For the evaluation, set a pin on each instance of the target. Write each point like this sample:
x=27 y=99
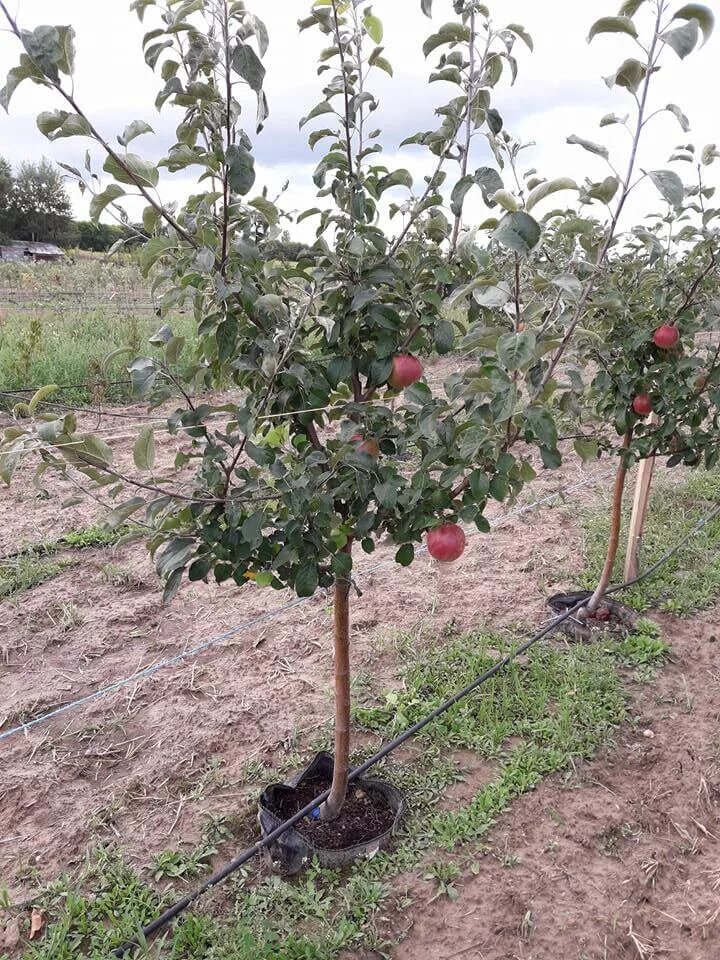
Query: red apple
x=642 y=405
x=368 y=445
x=446 y=543
x=406 y=369
x=666 y=337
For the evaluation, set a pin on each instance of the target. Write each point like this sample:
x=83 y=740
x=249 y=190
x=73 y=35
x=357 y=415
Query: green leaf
x=306 y=581
x=15 y=77
x=630 y=7
x=324 y=107
x=683 y=39
x=506 y=200
x=405 y=555
x=521 y=32
x=605 y=190
x=587 y=450
x=681 y=118
x=612 y=25
x=426 y=7
x=517 y=350
x=704 y=16
x=133 y=170
x=545 y=189
x=479 y=484
x=670 y=186
x=101 y=200
x=457 y=198
x=151 y=252
x=448 y=33
x=519 y=232
x=489 y=181
x=249 y=66
x=144 y=449
x=135 y=129
x=492 y=296
x=588 y=145
x=374 y=27
x=630 y=74
x=143 y=373
x=398 y=178
x=59 y=123
x=241 y=168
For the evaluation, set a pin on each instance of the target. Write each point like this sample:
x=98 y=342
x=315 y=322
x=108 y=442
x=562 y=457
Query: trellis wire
x=265 y=842
x=263 y=618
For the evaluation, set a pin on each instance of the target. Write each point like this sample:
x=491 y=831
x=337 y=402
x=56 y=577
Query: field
x=570 y=809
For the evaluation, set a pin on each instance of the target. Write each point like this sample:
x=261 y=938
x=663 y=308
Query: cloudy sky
x=559 y=91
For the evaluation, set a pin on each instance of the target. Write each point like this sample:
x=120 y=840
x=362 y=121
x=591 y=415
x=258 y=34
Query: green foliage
x=37 y=205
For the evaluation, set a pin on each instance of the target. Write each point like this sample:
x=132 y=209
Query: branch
x=468 y=127
x=591 y=281
x=346 y=91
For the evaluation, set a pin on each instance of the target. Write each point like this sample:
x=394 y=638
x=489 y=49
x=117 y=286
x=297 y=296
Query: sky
x=559 y=91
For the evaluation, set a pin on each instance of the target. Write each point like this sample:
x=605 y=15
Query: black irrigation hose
x=172 y=912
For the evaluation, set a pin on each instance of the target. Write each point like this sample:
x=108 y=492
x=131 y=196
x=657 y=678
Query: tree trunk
x=341 y=606
x=614 y=539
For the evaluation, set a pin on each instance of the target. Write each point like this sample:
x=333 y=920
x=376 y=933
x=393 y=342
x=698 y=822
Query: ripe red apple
x=666 y=337
x=368 y=445
x=446 y=543
x=642 y=405
x=406 y=370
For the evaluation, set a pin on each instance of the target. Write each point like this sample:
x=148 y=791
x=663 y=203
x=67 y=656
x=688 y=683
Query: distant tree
x=6 y=185
x=39 y=207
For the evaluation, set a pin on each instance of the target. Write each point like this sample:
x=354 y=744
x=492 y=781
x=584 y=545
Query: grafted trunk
x=614 y=538
x=341 y=636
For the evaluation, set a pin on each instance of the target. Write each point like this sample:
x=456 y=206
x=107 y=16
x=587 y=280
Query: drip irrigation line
x=69 y=386
x=250 y=852
x=144 y=674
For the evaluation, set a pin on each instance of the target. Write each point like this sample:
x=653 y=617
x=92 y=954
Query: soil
x=612 y=618
x=366 y=815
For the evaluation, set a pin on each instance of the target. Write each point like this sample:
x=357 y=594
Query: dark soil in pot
x=612 y=618
x=366 y=815
x=367 y=823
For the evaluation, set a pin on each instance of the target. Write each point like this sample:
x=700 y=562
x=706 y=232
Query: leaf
x=398 y=178
x=459 y=192
x=426 y=7
x=37 y=922
x=448 y=33
x=39 y=396
x=102 y=200
x=306 y=581
x=611 y=118
x=132 y=169
x=151 y=252
x=683 y=39
x=489 y=181
x=587 y=450
x=405 y=555
x=681 y=118
x=522 y=33
x=605 y=190
x=670 y=186
x=630 y=7
x=144 y=449
x=59 y=123
x=704 y=16
x=516 y=350
x=506 y=200
x=519 y=232
x=612 y=25
x=324 y=107
x=588 y=145
x=14 y=78
x=551 y=186
x=569 y=284
x=143 y=373
x=492 y=297
x=267 y=209
x=374 y=27
x=630 y=74
x=135 y=129
x=249 y=66
x=241 y=168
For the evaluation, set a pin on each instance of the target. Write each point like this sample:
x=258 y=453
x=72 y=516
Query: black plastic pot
x=293 y=851
x=622 y=617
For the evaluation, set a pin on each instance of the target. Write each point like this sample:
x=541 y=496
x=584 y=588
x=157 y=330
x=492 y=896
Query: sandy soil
x=621 y=860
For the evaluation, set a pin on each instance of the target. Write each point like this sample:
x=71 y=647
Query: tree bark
x=341 y=636
x=614 y=539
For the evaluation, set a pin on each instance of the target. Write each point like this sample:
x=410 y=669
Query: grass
x=690 y=581
x=36 y=563
x=536 y=718
x=66 y=340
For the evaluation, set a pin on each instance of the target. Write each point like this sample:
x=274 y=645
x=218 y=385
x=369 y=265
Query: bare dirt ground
x=627 y=848
x=622 y=860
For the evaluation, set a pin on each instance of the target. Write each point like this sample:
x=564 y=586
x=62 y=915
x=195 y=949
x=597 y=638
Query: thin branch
x=468 y=126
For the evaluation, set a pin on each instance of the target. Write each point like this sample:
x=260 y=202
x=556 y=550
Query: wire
x=267 y=841
x=257 y=621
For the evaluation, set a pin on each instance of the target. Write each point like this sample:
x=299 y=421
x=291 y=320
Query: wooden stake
x=637 y=521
